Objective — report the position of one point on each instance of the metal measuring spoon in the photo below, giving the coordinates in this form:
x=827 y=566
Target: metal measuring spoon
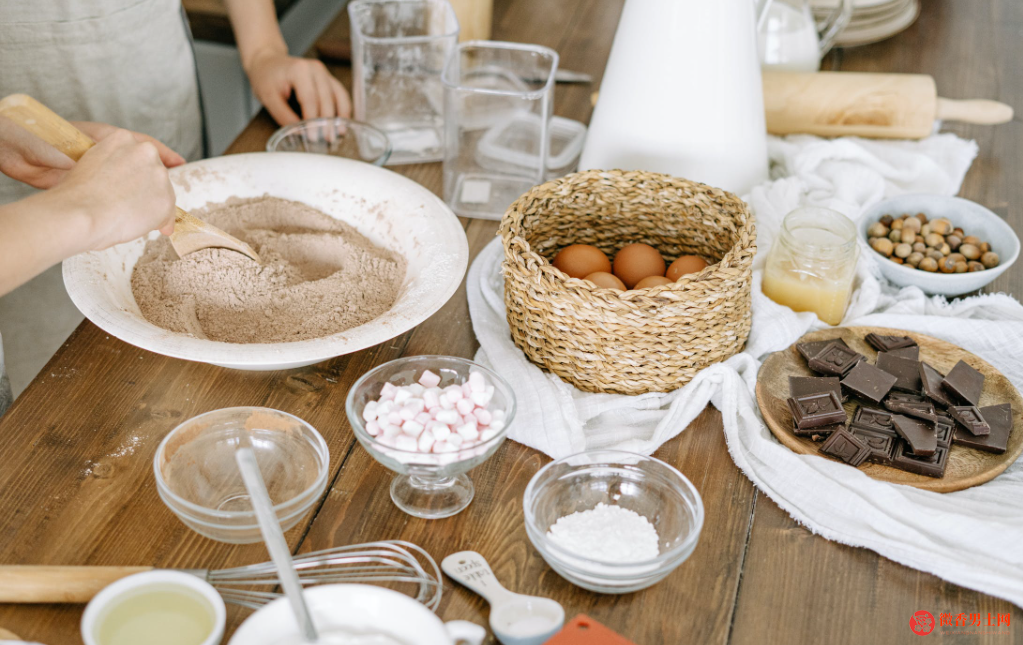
x=515 y=619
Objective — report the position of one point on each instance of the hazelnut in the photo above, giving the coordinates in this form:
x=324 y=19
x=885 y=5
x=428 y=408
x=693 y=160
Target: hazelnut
x=953 y=241
x=925 y=230
x=989 y=260
x=904 y=216
x=969 y=251
x=908 y=235
x=914 y=258
x=882 y=245
x=971 y=239
x=974 y=266
x=913 y=223
x=941 y=226
x=922 y=218
x=945 y=248
x=919 y=247
x=947 y=265
x=984 y=247
x=961 y=267
x=886 y=220
x=897 y=225
x=958 y=231
x=903 y=250
x=934 y=254
x=957 y=257
x=896 y=260
x=934 y=239
x=895 y=235
x=878 y=230
x=928 y=264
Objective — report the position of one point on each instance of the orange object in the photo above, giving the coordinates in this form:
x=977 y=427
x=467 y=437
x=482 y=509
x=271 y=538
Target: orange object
x=652 y=281
x=685 y=265
x=606 y=280
x=583 y=630
x=637 y=261
x=580 y=260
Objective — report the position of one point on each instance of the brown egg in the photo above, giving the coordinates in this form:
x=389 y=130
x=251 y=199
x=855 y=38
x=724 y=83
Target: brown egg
x=652 y=281
x=580 y=260
x=637 y=261
x=685 y=264
x=606 y=280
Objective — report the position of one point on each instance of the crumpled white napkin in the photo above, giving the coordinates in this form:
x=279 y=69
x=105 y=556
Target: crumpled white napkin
x=928 y=531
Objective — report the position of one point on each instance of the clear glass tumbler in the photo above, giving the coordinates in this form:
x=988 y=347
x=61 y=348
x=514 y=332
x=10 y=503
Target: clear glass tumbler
x=498 y=101
x=398 y=52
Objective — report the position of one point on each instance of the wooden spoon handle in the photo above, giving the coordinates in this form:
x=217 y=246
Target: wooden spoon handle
x=982 y=111
x=66 y=584
x=6 y=635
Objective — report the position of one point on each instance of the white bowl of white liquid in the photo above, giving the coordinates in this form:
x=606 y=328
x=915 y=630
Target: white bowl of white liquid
x=155 y=608
x=356 y=615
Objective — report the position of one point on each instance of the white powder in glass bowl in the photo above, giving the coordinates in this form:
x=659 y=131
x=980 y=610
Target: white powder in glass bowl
x=608 y=534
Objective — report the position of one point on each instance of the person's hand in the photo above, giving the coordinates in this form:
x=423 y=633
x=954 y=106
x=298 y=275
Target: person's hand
x=28 y=159
x=275 y=75
x=122 y=188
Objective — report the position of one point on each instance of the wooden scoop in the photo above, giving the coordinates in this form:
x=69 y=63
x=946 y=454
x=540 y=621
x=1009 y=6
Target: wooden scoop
x=190 y=233
x=8 y=636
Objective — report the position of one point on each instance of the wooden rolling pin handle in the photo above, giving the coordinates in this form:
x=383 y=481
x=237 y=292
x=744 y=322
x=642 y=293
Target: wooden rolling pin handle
x=980 y=111
x=45 y=584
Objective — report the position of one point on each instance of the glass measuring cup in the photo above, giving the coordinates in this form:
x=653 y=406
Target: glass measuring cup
x=790 y=40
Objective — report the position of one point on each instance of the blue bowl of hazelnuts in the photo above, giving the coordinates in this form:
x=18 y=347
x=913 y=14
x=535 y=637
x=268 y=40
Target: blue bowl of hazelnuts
x=946 y=246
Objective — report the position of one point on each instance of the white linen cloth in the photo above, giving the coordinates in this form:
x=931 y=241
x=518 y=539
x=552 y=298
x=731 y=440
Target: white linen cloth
x=928 y=531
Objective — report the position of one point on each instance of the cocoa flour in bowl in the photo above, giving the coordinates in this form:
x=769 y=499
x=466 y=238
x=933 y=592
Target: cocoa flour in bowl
x=319 y=277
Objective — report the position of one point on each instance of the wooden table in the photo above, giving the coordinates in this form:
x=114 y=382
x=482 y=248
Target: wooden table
x=76 y=485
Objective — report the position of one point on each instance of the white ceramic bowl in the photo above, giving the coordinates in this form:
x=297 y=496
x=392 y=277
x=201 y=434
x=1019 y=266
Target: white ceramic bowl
x=973 y=218
x=389 y=209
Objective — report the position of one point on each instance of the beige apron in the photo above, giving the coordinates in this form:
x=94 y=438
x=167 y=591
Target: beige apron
x=124 y=62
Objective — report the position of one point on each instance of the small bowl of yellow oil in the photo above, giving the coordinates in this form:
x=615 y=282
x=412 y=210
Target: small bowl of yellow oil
x=155 y=608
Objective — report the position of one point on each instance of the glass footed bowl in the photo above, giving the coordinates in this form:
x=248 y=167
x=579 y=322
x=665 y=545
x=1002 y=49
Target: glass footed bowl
x=334 y=136
x=197 y=476
x=428 y=485
x=642 y=484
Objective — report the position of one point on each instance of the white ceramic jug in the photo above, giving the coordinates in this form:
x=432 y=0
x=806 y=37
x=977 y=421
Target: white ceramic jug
x=681 y=94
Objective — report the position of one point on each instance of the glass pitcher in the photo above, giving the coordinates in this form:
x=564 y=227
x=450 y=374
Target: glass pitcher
x=788 y=38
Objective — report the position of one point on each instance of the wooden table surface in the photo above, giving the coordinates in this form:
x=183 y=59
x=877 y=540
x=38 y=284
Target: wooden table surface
x=76 y=484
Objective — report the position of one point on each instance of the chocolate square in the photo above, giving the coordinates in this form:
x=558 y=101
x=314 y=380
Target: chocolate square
x=913 y=405
x=965 y=383
x=835 y=359
x=912 y=353
x=931 y=466
x=814 y=410
x=920 y=436
x=888 y=343
x=811 y=348
x=868 y=381
x=930 y=381
x=818 y=433
x=943 y=432
x=880 y=444
x=845 y=447
x=802 y=385
x=874 y=420
x=970 y=418
x=906 y=370
x=999 y=418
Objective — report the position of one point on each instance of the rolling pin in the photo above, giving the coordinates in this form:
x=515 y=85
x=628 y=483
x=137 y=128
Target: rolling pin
x=881 y=106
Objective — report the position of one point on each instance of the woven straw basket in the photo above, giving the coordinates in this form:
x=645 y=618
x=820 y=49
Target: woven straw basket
x=651 y=340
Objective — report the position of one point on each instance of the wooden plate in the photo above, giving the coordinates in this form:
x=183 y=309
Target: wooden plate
x=966 y=466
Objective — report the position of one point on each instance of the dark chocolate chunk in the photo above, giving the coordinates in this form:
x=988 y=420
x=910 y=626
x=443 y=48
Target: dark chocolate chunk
x=888 y=343
x=817 y=433
x=999 y=418
x=965 y=383
x=869 y=382
x=920 y=436
x=912 y=404
x=943 y=432
x=802 y=385
x=812 y=348
x=970 y=418
x=906 y=370
x=912 y=353
x=874 y=420
x=932 y=465
x=844 y=446
x=835 y=359
x=814 y=410
x=880 y=444
x=930 y=381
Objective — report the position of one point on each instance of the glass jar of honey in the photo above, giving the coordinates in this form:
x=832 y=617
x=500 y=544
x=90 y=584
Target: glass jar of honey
x=812 y=263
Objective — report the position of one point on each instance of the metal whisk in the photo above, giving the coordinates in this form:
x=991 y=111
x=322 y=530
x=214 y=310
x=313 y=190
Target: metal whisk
x=389 y=561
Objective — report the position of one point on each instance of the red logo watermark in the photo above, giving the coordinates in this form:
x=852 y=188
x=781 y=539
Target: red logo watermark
x=922 y=623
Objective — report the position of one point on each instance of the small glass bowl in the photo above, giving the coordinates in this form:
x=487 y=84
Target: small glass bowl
x=334 y=136
x=428 y=485
x=642 y=484
x=198 y=479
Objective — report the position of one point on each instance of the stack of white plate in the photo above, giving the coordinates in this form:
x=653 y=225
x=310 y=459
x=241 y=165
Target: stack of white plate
x=872 y=20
